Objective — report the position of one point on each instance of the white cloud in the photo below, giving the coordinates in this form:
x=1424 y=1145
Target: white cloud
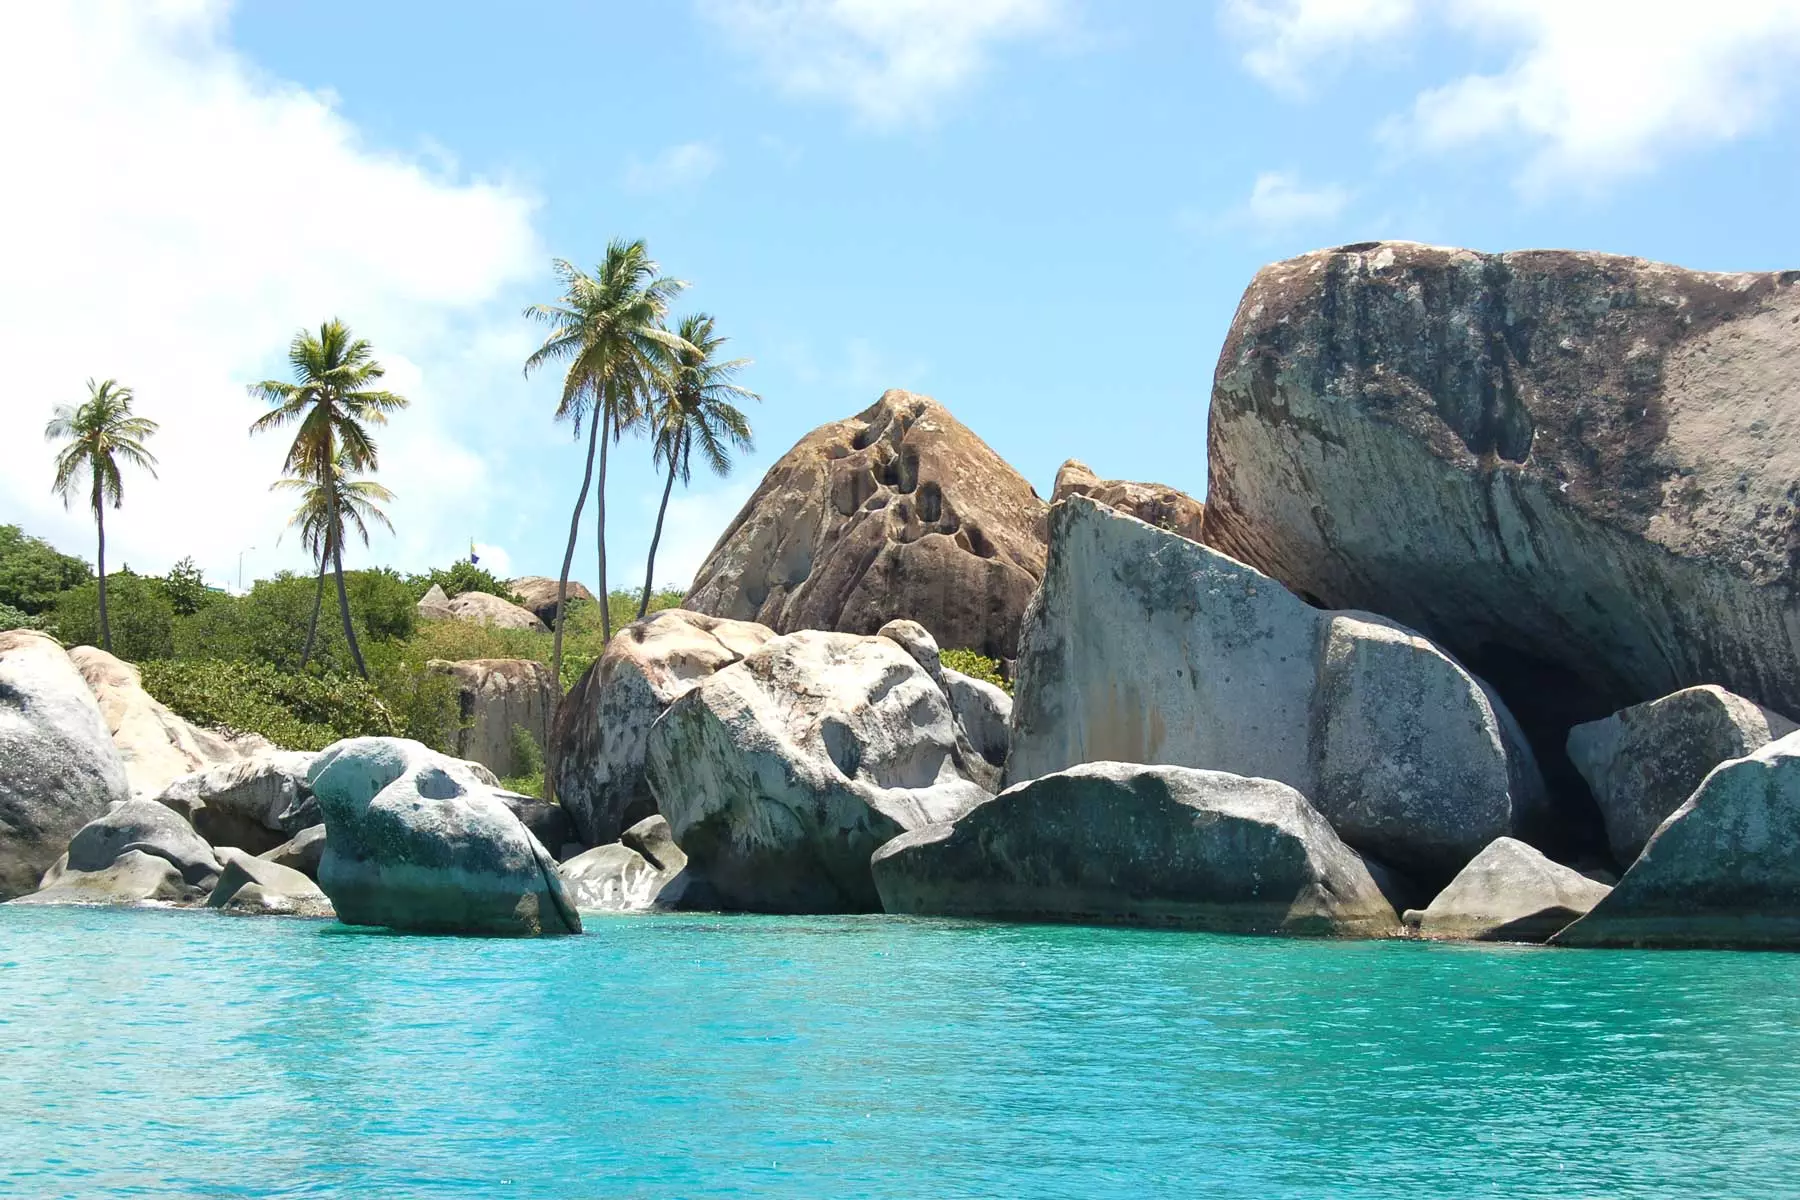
x=692 y=527
x=173 y=217
x=894 y=62
x=677 y=167
x=1278 y=203
x=494 y=560
x=1289 y=40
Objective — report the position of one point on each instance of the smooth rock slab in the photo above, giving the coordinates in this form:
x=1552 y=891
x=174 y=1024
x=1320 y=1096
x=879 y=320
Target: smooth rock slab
x=150 y=827
x=1643 y=762
x=302 y=852
x=134 y=877
x=243 y=803
x=158 y=747
x=1124 y=844
x=257 y=885
x=1509 y=893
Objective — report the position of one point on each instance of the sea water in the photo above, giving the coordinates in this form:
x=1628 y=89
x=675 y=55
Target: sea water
x=147 y=1053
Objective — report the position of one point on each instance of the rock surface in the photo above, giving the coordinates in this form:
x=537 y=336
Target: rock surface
x=257 y=885
x=158 y=747
x=1152 y=503
x=1721 y=870
x=899 y=511
x=1146 y=647
x=1643 y=762
x=495 y=697
x=485 y=608
x=132 y=878
x=1508 y=893
x=1578 y=472
x=781 y=774
x=641 y=872
x=604 y=722
x=1123 y=844
x=146 y=826
x=243 y=803
x=301 y=852
x=59 y=768
x=538 y=594
x=416 y=840
x=548 y=823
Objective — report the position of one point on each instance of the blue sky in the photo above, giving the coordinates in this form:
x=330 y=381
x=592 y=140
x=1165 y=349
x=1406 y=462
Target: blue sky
x=1042 y=212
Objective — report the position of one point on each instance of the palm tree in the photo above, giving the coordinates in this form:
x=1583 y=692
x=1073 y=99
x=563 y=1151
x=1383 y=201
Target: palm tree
x=325 y=509
x=608 y=328
x=99 y=433
x=333 y=404
x=695 y=410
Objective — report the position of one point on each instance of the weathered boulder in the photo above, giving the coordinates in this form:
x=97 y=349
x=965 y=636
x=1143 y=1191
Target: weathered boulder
x=415 y=840
x=548 y=823
x=497 y=698
x=1645 y=761
x=1152 y=503
x=538 y=594
x=781 y=774
x=1575 y=471
x=1508 y=893
x=259 y=886
x=1145 y=647
x=301 y=852
x=604 y=722
x=643 y=871
x=158 y=747
x=899 y=511
x=132 y=878
x=1124 y=844
x=1721 y=870
x=434 y=605
x=975 y=707
x=243 y=803
x=485 y=608
x=59 y=768
x=147 y=826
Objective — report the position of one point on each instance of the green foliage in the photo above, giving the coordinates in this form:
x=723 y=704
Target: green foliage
x=527 y=755
x=298 y=712
x=186 y=588
x=461 y=576
x=138 y=610
x=976 y=666
x=13 y=618
x=525 y=785
x=269 y=624
x=33 y=573
x=424 y=703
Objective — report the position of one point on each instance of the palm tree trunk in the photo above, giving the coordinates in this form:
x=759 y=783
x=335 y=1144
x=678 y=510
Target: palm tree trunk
x=312 y=627
x=562 y=605
x=100 y=558
x=600 y=531
x=337 y=558
x=656 y=536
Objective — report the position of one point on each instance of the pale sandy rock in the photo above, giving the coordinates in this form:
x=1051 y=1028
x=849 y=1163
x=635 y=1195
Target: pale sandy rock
x=899 y=511
x=259 y=886
x=539 y=595
x=434 y=605
x=134 y=877
x=496 y=696
x=644 y=871
x=485 y=608
x=158 y=747
x=1509 y=892
x=1152 y=503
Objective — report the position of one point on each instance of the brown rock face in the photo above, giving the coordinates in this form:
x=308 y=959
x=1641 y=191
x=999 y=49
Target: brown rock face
x=495 y=696
x=1152 y=503
x=538 y=594
x=898 y=512
x=1579 y=472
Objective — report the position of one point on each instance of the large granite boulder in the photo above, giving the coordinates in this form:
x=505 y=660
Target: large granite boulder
x=1577 y=472
x=1146 y=647
x=1508 y=893
x=249 y=803
x=261 y=887
x=434 y=605
x=1643 y=762
x=1124 y=844
x=538 y=594
x=142 y=825
x=643 y=871
x=59 y=768
x=497 y=698
x=899 y=511
x=781 y=774
x=1721 y=870
x=1152 y=503
x=135 y=877
x=548 y=821
x=485 y=608
x=301 y=852
x=603 y=724
x=158 y=747
x=415 y=840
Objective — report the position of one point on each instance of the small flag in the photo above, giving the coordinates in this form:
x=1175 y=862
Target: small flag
x=473 y=557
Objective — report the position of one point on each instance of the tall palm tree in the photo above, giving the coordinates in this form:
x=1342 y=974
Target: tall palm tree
x=694 y=409
x=326 y=508
x=608 y=328
x=99 y=433
x=333 y=403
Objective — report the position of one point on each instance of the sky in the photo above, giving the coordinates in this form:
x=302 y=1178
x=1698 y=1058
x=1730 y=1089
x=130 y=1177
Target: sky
x=1041 y=212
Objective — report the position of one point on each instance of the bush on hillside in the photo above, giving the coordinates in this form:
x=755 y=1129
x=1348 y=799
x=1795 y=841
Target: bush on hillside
x=268 y=625
x=138 y=613
x=33 y=573
x=976 y=666
x=12 y=618
x=461 y=576
x=296 y=712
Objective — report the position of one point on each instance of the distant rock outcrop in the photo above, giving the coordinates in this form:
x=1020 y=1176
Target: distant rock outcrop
x=538 y=594
x=1152 y=503
x=900 y=511
x=496 y=696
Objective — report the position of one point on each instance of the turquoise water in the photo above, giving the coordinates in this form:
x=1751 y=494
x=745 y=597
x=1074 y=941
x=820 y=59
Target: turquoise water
x=191 y=1054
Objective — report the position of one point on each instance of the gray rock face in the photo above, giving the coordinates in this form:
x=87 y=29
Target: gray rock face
x=496 y=697
x=434 y=605
x=1151 y=503
x=1509 y=893
x=1145 y=647
x=416 y=840
x=548 y=823
x=132 y=878
x=243 y=803
x=538 y=595
x=1576 y=471
x=259 y=886
x=781 y=774
x=301 y=852
x=158 y=747
x=485 y=608
x=1122 y=844
x=1645 y=761
x=1721 y=870
x=59 y=768
x=644 y=871
x=604 y=723
x=150 y=827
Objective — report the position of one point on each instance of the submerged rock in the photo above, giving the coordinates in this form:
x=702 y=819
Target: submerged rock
x=1509 y=893
x=1145 y=647
x=1124 y=844
x=1645 y=761
x=59 y=768
x=416 y=840
x=781 y=774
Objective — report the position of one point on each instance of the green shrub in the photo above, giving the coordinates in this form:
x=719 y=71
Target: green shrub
x=527 y=778
x=976 y=666
x=461 y=576
x=269 y=624
x=425 y=704
x=186 y=588
x=33 y=573
x=13 y=618
x=138 y=613
x=296 y=712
